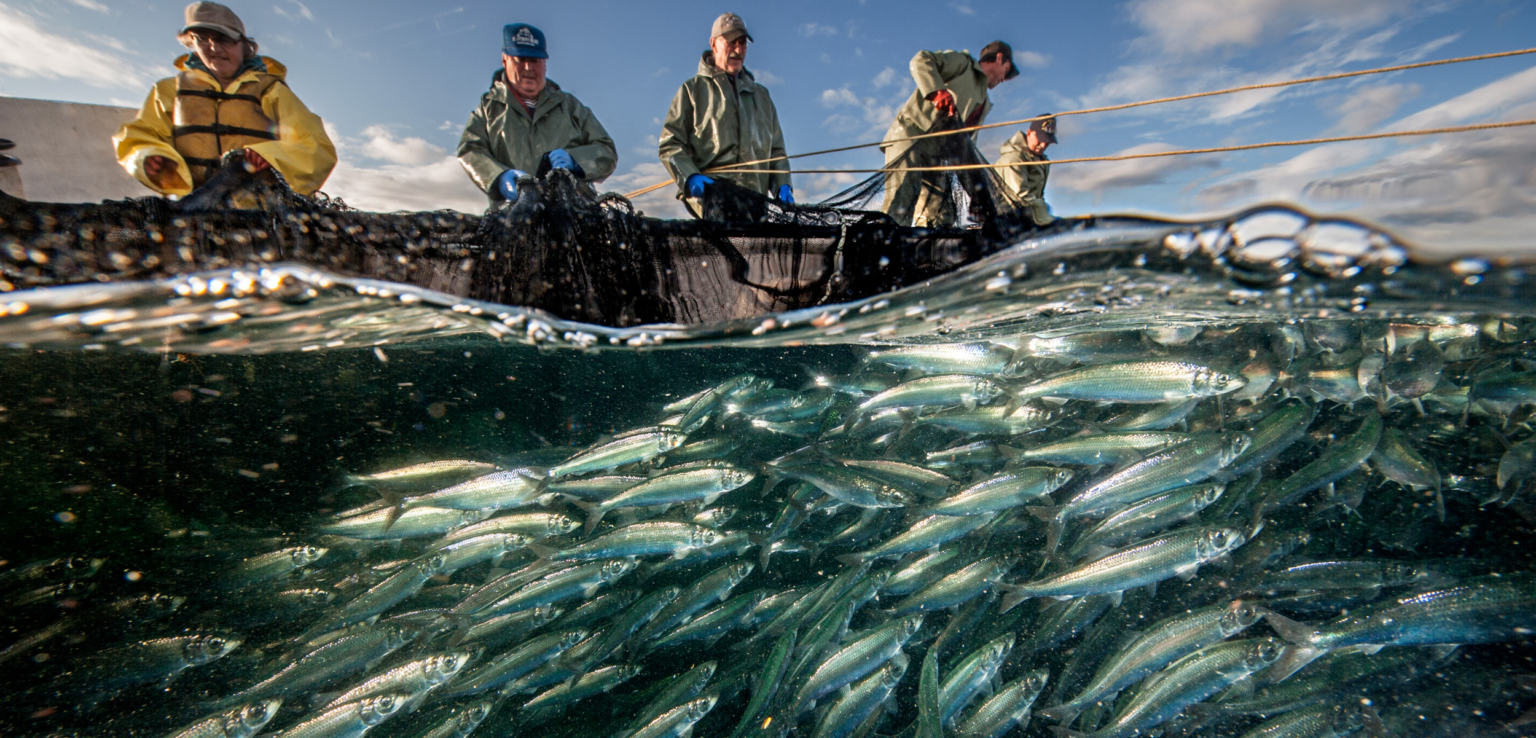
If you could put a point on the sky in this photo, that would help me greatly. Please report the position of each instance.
(395, 82)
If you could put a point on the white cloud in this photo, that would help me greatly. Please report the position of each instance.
(26, 50)
(1031, 59)
(410, 151)
(1114, 175)
(811, 30)
(885, 78)
(1364, 109)
(962, 7)
(92, 5)
(662, 203)
(839, 97)
(440, 184)
(301, 11)
(420, 176)
(766, 77)
(1448, 193)
(1489, 100)
(1196, 26)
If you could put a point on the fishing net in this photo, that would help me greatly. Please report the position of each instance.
(561, 247)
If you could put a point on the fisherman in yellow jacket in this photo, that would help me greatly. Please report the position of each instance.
(224, 98)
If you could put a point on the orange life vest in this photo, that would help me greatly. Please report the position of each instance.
(210, 122)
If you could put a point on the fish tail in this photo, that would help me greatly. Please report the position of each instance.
(1063, 713)
(1290, 630)
(396, 503)
(1291, 659)
(1011, 600)
(545, 553)
(594, 511)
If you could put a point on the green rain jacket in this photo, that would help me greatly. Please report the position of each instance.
(501, 137)
(714, 122)
(955, 71)
(1026, 183)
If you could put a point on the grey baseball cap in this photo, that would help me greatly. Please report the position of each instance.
(731, 26)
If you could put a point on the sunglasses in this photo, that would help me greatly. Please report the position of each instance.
(208, 38)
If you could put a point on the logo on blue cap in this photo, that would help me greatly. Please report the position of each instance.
(521, 39)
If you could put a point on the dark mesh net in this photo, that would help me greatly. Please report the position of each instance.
(561, 247)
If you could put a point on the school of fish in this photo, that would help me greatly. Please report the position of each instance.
(1296, 530)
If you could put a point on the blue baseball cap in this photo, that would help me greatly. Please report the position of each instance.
(521, 39)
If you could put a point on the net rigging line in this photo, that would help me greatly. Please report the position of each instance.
(1102, 109)
(1155, 154)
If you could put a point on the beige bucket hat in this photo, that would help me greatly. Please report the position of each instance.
(212, 17)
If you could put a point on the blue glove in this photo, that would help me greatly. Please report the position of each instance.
(786, 195)
(507, 183)
(696, 184)
(559, 159)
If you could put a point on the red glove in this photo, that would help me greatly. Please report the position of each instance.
(254, 162)
(943, 101)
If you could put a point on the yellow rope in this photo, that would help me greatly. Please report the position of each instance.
(1103, 109)
(1154, 154)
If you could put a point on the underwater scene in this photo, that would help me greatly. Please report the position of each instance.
(1259, 476)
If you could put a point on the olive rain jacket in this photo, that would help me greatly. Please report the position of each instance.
(714, 122)
(955, 71)
(190, 117)
(1026, 183)
(499, 136)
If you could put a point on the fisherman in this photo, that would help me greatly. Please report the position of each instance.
(547, 129)
(1027, 183)
(224, 98)
(951, 91)
(722, 117)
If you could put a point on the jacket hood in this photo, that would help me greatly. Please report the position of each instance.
(499, 83)
(1019, 144)
(707, 68)
(261, 64)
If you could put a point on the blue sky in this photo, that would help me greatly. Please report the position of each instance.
(396, 80)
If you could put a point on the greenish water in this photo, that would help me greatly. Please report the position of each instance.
(172, 431)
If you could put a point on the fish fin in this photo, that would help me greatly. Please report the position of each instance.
(1290, 630)
(1370, 649)
(1064, 713)
(1095, 552)
(1116, 597)
(1061, 732)
(852, 559)
(1151, 591)
(1187, 572)
(396, 502)
(1292, 658)
(1011, 600)
(594, 511)
(545, 553)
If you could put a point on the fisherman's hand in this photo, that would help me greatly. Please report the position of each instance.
(559, 159)
(157, 166)
(254, 163)
(944, 101)
(696, 184)
(507, 184)
(786, 194)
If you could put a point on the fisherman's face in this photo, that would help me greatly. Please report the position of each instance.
(1037, 144)
(730, 56)
(996, 69)
(525, 74)
(219, 53)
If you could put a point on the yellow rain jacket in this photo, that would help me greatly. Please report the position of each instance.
(190, 120)
(502, 136)
(921, 198)
(1027, 184)
(714, 122)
